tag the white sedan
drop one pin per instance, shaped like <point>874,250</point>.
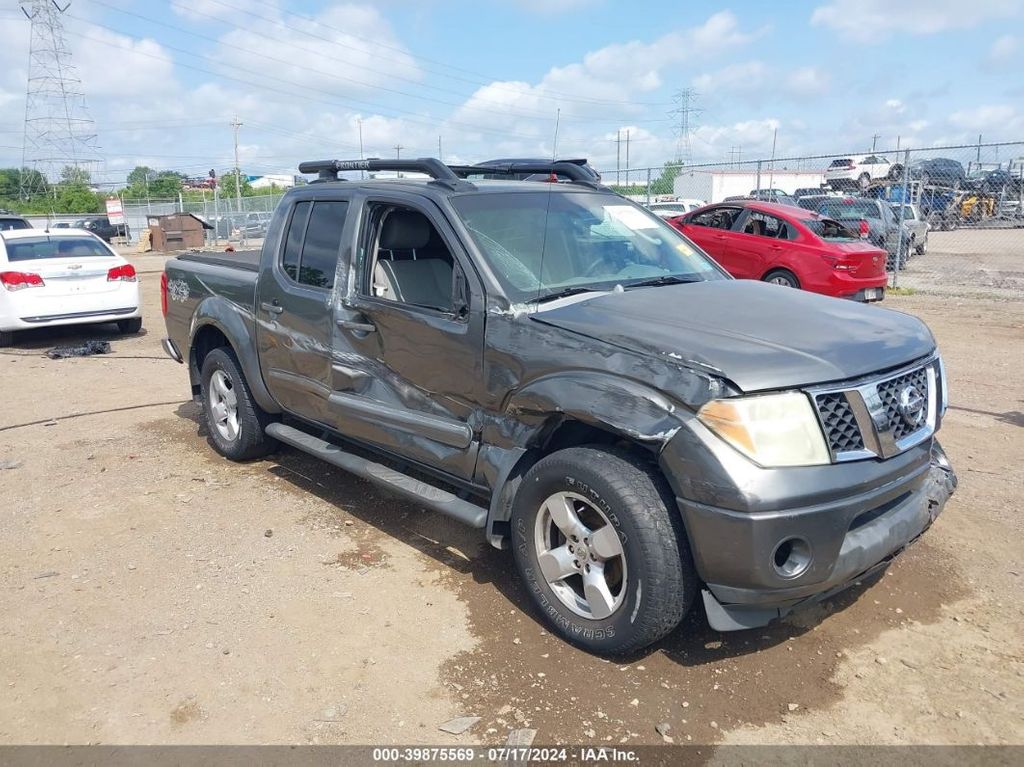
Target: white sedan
<point>64,277</point>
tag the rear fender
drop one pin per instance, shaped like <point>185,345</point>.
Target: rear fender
<point>237,323</point>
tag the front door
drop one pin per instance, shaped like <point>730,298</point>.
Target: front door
<point>408,341</point>
<point>293,306</point>
<point>710,230</point>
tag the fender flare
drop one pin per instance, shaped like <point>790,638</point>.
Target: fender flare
<point>236,323</point>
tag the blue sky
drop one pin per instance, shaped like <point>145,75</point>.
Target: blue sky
<point>164,79</point>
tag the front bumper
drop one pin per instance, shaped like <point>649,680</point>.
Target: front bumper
<point>747,586</point>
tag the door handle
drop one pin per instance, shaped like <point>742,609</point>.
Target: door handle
<point>272,308</point>
<point>357,326</point>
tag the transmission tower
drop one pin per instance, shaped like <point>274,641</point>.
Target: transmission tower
<point>59,131</point>
<point>685,112</point>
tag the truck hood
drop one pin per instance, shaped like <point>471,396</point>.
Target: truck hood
<point>758,336</point>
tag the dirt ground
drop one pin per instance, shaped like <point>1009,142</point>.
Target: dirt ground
<point>983,263</point>
<point>152,592</point>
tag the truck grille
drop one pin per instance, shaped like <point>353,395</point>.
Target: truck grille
<point>890,391</point>
<point>879,418</point>
<point>841,427</point>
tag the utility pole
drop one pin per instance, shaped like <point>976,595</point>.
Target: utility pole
<point>874,141</point>
<point>627,156</point>
<point>979,149</point>
<point>363,174</point>
<point>618,157</point>
<point>238,172</point>
<point>735,153</point>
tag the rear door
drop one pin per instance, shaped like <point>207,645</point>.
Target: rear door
<point>293,304</point>
<point>756,241</point>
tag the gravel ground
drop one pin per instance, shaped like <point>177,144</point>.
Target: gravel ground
<point>155,593</point>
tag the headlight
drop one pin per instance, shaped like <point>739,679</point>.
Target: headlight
<point>772,430</point>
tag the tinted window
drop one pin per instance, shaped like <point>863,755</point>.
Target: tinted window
<point>828,229</point>
<point>322,243</point>
<point>28,248</point>
<point>7,224</point>
<point>293,243</point>
<point>848,208</point>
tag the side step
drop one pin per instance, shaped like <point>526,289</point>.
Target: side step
<point>433,498</point>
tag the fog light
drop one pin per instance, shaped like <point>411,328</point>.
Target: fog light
<point>792,557</point>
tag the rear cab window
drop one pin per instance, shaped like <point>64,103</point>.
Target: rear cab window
<point>313,242</point>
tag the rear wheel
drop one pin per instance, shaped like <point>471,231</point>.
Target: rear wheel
<point>895,172</point>
<point>782,277</point>
<point>236,424</point>
<point>922,247</point>
<point>602,554</point>
<point>6,338</point>
<point>130,326</point>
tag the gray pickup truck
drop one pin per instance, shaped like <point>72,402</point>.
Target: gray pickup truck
<point>558,367</point>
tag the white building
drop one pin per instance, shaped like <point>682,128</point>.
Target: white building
<point>280,180</point>
<point>715,185</point>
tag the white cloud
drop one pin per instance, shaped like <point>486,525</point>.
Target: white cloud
<point>808,81</point>
<point>1009,120</point>
<point>143,66</point>
<point>763,82</point>
<point>329,53</point>
<point>1005,50</point>
<point>738,78</point>
<point>201,11</point>
<point>875,21</point>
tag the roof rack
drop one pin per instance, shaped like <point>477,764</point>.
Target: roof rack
<point>570,169</point>
<point>328,170</point>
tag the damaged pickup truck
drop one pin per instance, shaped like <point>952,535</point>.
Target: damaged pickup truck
<point>554,365</point>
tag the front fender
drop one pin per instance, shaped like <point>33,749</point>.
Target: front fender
<point>238,324</point>
<point>636,411</point>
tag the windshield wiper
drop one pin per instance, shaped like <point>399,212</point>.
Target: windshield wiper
<point>668,279</point>
<point>564,292</point>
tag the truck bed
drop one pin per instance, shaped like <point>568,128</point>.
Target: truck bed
<point>246,260</point>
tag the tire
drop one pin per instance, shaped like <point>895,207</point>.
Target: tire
<point>649,581</point>
<point>6,338</point>
<point>922,247</point>
<point>782,277</point>
<point>237,431</point>
<point>895,172</point>
<point>129,327</point>
<point>864,181</point>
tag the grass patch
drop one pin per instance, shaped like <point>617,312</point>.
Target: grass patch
<point>901,292</point>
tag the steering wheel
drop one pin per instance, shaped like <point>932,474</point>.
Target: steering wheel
<point>593,268</point>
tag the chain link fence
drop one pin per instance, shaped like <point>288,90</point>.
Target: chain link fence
<point>232,222</point>
<point>949,217</point>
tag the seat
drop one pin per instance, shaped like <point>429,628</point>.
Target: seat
<point>401,274</point>
<point>755,226</point>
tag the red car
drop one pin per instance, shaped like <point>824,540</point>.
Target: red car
<point>788,246</point>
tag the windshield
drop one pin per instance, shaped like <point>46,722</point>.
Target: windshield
<point>28,248</point>
<point>543,243</point>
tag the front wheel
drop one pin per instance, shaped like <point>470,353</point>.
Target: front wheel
<point>236,424</point>
<point>602,554</point>
<point>864,181</point>
<point>6,338</point>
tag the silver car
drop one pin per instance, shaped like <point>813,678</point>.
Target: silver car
<point>916,225</point>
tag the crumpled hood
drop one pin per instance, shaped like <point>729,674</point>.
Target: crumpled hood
<point>759,336</point>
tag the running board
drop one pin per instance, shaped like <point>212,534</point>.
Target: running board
<point>434,498</point>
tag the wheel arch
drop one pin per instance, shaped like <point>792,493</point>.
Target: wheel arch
<point>215,325</point>
<point>573,410</point>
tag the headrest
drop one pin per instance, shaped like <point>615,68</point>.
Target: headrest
<point>404,230</point>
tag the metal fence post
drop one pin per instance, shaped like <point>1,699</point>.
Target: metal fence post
<point>899,222</point>
<point>759,175</point>
<point>648,187</point>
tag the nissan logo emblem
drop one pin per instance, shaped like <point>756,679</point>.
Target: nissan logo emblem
<point>912,405</point>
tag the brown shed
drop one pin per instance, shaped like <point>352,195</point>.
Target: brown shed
<point>177,231</point>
